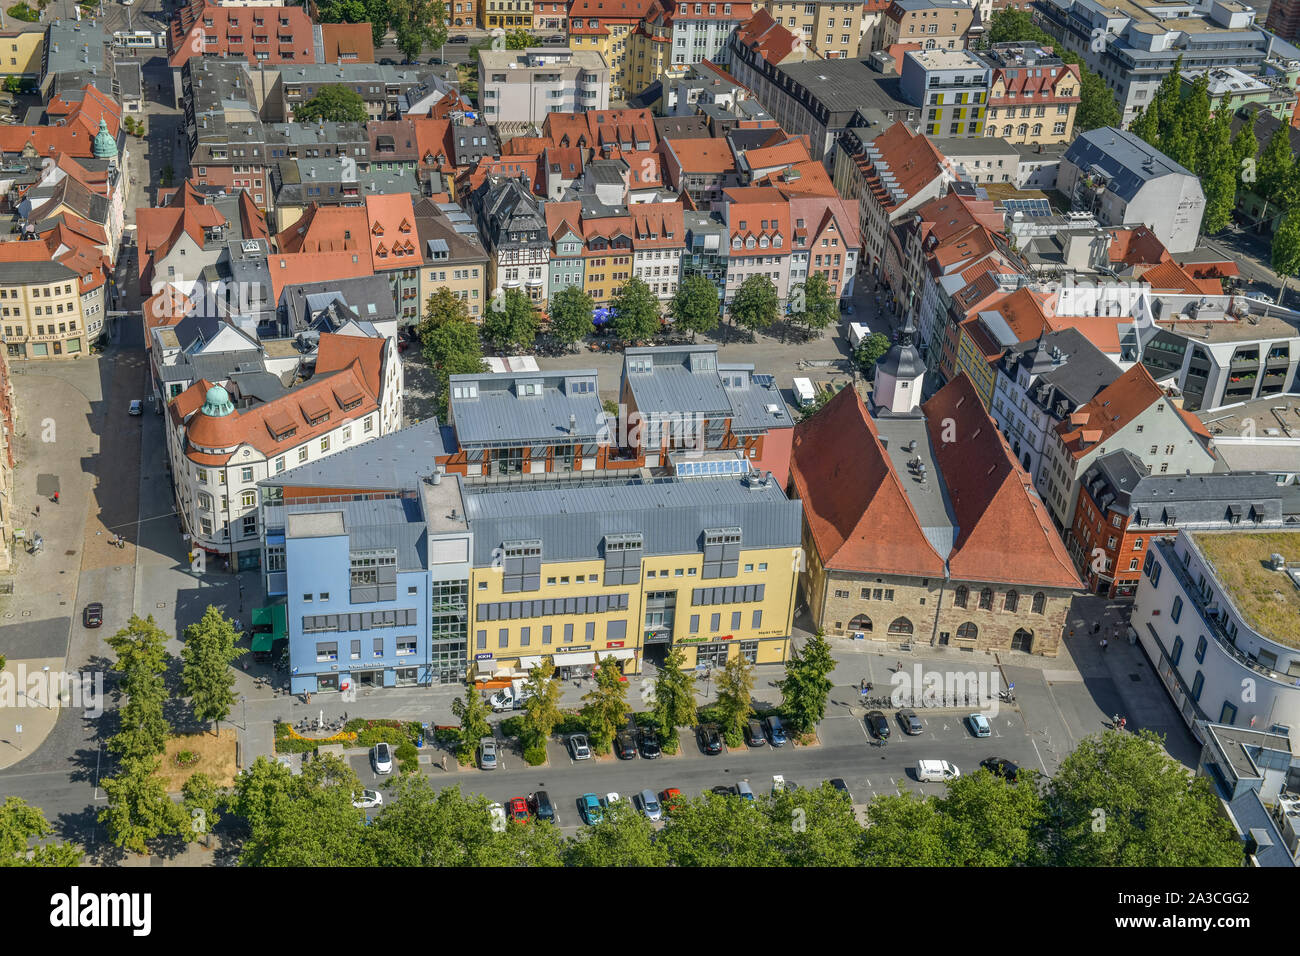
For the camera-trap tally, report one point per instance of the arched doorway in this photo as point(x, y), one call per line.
point(1023, 640)
point(860, 623)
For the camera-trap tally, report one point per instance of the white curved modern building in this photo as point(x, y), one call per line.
point(1222, 627)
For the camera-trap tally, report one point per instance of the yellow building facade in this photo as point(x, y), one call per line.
point(507, 14)
point(832, 29)
point(20, 52)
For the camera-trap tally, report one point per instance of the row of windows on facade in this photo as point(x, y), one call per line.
point(64, 328)
point(902, 627)
point(329, 651)
point(33, 293)
point(961, 597)
point(246, 474)
point(360, 621)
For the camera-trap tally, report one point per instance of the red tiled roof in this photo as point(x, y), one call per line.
point(658, 225)
point(1004, 534)
point(766, 37)
point(911, 158)
point(1110, 410)
point(326, 229)
point(394, 243)
point(347, 43)
point(702, 155)
point(300, 267)
point(858, 514)
point(235, 33)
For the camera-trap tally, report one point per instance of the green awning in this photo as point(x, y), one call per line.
point(270, 624)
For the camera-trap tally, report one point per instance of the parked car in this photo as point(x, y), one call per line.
point(540, 803)
point(137, 407)
point(744, 791)
point(878, 725)
point(435, 61)
point(1001, 767)
point(556, 38)
point(458, 38)
point(368, 800)
point(936, 771)
point(650, 748)
point(775, 730)
point(648, 805)
point(578, 747)
point(910, 723)
point(487, 753)
point(610, 798)
point(93, 615)
point(388, 61)
point(625, 746)
point(671, 799)
point(590, 807)
point(710, 739)
point(723, 790)
point(842, 787)
point(778, 783)
point(979, 725)
point(381, 758)
point(517, 809)
point(1260, 297)
point(754, 734)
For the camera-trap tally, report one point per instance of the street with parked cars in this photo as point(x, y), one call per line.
point(576, 786)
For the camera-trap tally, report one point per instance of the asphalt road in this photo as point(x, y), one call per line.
point(845, 751)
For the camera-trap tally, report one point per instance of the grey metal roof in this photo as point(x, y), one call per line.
point(671, 514)
point(929, 498)
point(758, 405)
point(1127, 160)
point(500, 416)
point(370, 297)
point(213, 366)
point(377, 523)
point(1252, 819)
point(845, 86)
point(1079, 369)
point(397, 461)
point(670, 387)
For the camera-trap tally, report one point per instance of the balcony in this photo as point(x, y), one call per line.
point(1211, 621)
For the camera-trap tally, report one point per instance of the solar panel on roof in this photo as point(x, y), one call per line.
point(1034, 208)
point(763, 379)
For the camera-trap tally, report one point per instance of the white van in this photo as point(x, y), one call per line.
point(936, 771)
point(803, 392)
point(857, 332)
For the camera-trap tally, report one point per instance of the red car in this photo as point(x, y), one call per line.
point(670, 799)
point(517, 809)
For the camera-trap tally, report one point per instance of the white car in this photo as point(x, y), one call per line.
point(578, 747)
point(487, 748)
point(778, 783)
point(611, 798)
point(368, 800)
point(137, 407)
point(381, 758)
point(1260, 297)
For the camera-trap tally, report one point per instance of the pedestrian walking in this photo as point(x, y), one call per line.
point(1104, 644)
point(38, 511)
point(1122, 723)
point(56, 497)
point(1095, 628)
point(444, 761)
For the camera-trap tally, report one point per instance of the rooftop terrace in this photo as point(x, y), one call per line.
point(1268, 599)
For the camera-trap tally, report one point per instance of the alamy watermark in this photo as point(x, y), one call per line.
point(50, 689)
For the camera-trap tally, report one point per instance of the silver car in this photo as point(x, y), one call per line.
point(487, 753)
point(578, 747)
point(648, 803)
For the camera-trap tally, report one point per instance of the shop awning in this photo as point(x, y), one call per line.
point(528, 663)
point(619, 654)
point(573, 660)
point(270, 624)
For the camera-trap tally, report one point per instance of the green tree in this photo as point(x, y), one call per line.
point(1119, 799)
point(19, 825)
point(756, 305)
point(1097, 106)
point(1274, 174)
point(807, 684)
point(814, 828)
point(521, 40)
point(208, 652)
point(735, 699)
point(990, 822)
point(674, 697)
point(1009, 25)
point(605, 709)
point(313, 822)
point(1244, 147)
point(451, 341)
point(1286, 251)
point(571, 315)
point(142, 661)
point(812, 303)
point(695, 306)
point(202, 804)
point(1219, 173)
point(820, 397)
point(623, 837)
point(635, 311)
point(259, 792)
point(139, 810)
point(341, 11)
point(542, 710)
point(1146, 125)
point(418, 23)
point(472, 712)
point(719, 831)
point(904, 830)
point(870, 351)
point(333, 103)
point(514, 326)
point(379, 15)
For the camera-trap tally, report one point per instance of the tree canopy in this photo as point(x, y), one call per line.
point(333, 103)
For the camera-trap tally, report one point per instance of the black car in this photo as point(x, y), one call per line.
point(878, 724)
point(458, 38)
point(842, 787)
point(540, 804)
point(93, 615)
point(625, 745)
point(723, 791)
point(387, 61)
point(710, 739)
point(1001, 767)
point(435, 61)
point(754, 734)
point(650, 745)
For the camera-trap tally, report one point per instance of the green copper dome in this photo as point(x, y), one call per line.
point(217, 403)
point(104, 147)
